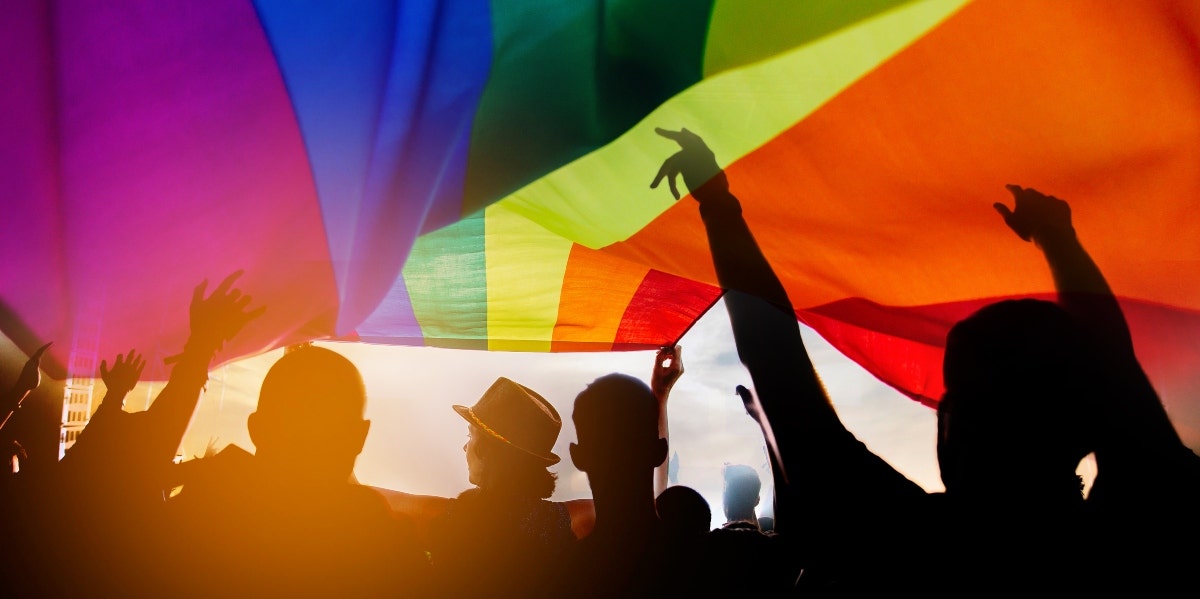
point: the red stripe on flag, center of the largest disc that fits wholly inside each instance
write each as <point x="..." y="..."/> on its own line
<point x="662" y="310"/>
<point x="903" y="347"/>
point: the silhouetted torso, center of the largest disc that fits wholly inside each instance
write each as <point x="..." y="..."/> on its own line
<point x="485" y="545"/>
<point x="644" y="563"/>
<point x="744" y="561"/>
<point x="238" y="533"/>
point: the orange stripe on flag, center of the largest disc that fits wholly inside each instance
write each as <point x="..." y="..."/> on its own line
<point x="596" y="289"/>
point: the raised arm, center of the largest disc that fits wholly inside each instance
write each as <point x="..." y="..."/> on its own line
<point x="214" y="319"/>
<point x="1082" y="290"/>
<point x="28" y="380"/>
<point x="804" y="434"/>
<point x="119" y="381"/>
<point x="764" y="323"/>
<point x="668" y="367"/>
<point x="779" y="479"/>
<point x="1135" y="411"/>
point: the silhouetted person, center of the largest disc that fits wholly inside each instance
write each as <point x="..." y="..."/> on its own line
<point x="499" y="538"/>
<point x="22" y="494"/>
<point x="28" y="380"/>
<point x="1147" y="487"/>
<point x="424" y="509"/>
<point x="668" y="367"/>
<point x="766" y="523"/>
<point x="1013" y="428"/>
<point x="762" y="561"/>
<point x="111" y="481"/>
<point x="629" y="553"/>
<point x="100" y="460"/>
<point x="132" y="454"/>
<point x="745" y="561"/>
<point x="741" y="494"/>
<point x="11" y="400"/>
<point x="288" y="520"/>
<point x="684" y="513"/>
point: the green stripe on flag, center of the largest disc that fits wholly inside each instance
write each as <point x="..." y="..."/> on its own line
<point x="570" y="76"/>
<point x="604" y="197"/>
<point x="447" y="285"/>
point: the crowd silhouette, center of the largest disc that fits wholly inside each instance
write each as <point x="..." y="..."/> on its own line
<point x="1032" y="388"/>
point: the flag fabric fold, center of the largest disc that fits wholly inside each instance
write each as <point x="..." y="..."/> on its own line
<point x="474" y="174"/>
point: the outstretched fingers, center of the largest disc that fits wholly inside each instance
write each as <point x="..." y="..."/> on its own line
<point x="198" y="292"/>
<point x="675" y="136"/>
<point x="223" y="288"/>
<point x="125" y="372"/>
<point x="220" y="315"/>
<point x="672" y="183"/>
<point x="684" y="137"/>
<point x="672" y="167"/>
<point x="670" y="171"/>
<point x="135" y="361"/>
<point x="1007" y="214"/>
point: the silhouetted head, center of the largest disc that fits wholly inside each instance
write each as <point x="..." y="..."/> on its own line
<point x="511" y="432"/>
<point x="683" y="511"/>
<point x="1015" y="417"/>
<point x="616" y="422"/>
<point x="309" y="422"/>
<point x="741" y="496"/>
<point x="493" y="465"/>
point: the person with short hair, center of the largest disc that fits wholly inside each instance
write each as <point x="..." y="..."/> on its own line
<point x="630" y="552"/>
<point x="1031" y="388"/>
<point x="741" y="495"/>
<point x="288" y="520"/>
<point x="684" y="512"/>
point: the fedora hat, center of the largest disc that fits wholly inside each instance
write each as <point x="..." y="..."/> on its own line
<point x="516" y="415"/>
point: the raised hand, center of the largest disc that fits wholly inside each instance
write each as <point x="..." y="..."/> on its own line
<point x="27" y="381"/>
<point x="668" y="367"/>
<point x="126" y="371"/>
<point x="753" y="408"/>
<point x="31" y="373"/>
<point x="694" y="161"/>
<point x="1034" y="213"/>
<point x="221" y="315"/>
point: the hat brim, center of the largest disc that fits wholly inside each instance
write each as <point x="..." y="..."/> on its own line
<point x="550" y="458"/>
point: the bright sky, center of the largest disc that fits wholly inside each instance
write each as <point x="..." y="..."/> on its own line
<point x="415" y="443"/>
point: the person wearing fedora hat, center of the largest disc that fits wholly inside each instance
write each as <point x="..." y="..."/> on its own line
<point x="518" y="417"/>
<point x="495" y="538"/>
<point x="509" y="450"/>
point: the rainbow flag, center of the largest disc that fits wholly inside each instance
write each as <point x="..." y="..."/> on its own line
<point x="475" y="174"/>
